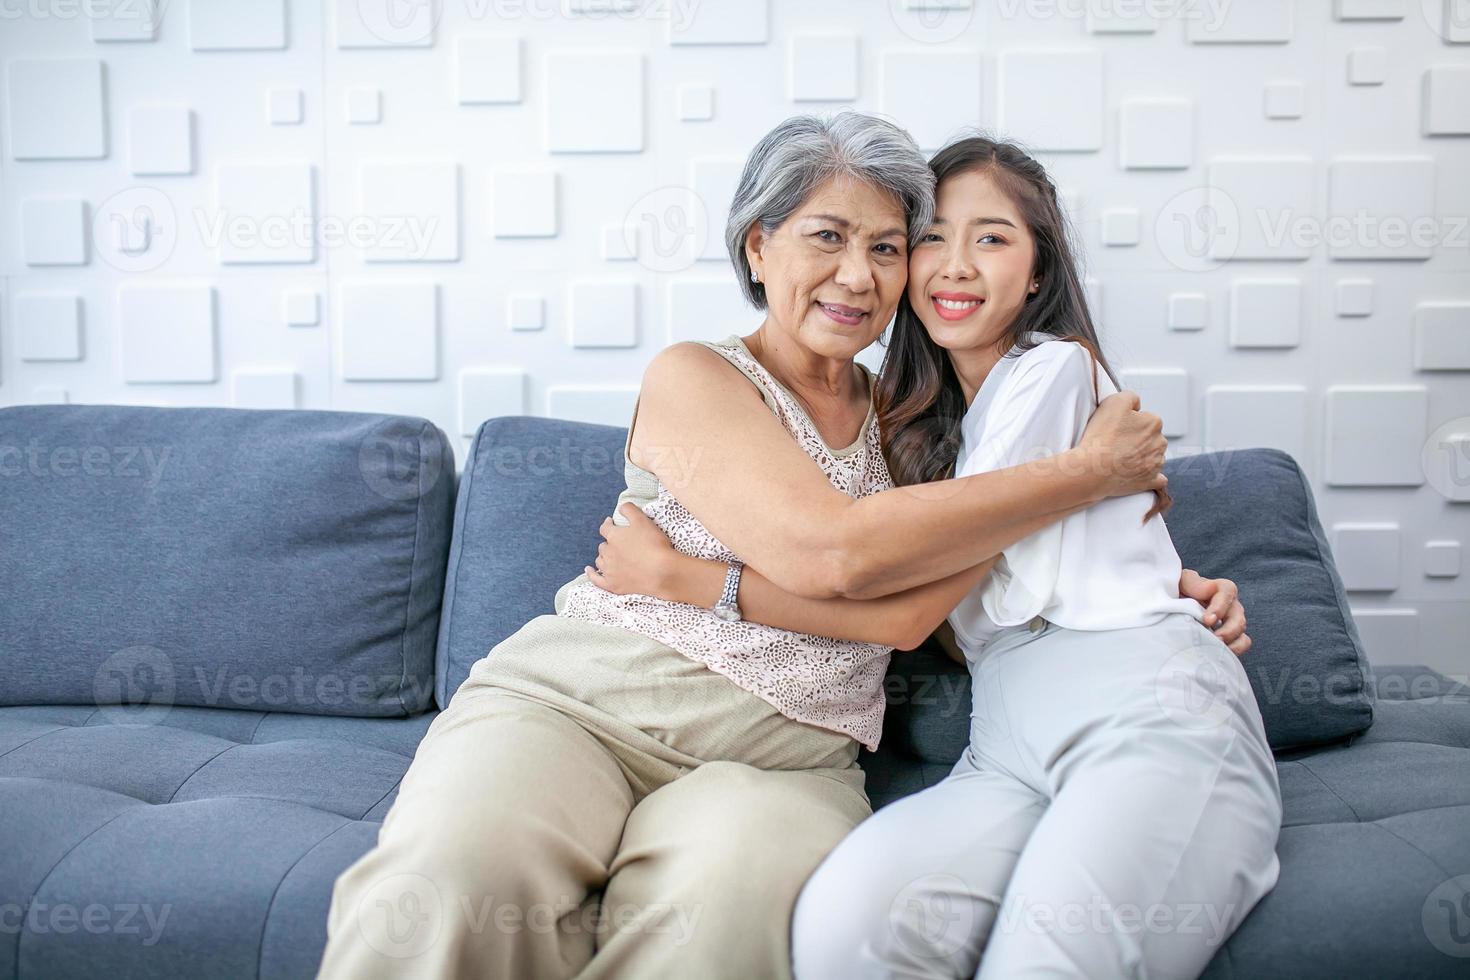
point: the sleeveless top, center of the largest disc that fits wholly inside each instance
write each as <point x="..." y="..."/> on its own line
<point x="831" y="683"/>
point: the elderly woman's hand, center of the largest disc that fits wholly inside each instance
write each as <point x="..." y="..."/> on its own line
<point x="1224" y="612"/>
<point x="1124" y="446"/>
<point x="636" y="559"/>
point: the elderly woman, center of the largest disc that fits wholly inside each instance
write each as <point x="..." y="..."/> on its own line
<point x="634" y="787"/>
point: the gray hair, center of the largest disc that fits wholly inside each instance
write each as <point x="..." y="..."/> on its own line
<point x="802" y="153"/>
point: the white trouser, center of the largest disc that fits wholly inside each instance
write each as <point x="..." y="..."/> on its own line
<point x="1115" y="815"/>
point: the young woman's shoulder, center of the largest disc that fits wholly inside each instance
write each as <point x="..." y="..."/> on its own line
<point x="1053" y="361"/>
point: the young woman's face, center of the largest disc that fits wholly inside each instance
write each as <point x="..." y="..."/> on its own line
<point x="970" y="273"/>
<point x="834" y="271"/>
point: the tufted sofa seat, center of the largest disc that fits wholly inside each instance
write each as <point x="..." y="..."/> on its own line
<point x="206" y="840"/>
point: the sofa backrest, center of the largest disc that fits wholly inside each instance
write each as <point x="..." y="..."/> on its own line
<point x="535" y="490"/>
<point x="1249" y="515"/>
<point x="267" y="560"/>
<point x="531" y="497"/>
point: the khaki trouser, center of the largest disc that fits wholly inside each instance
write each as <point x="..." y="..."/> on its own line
<point x="594" y="804"/>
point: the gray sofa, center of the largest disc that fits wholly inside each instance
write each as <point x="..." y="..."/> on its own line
<point x="223" y="633"/>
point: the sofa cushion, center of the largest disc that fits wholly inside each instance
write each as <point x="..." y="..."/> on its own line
<point x="206" y="844"/>
<point x="1249" y="515"/>
<point x="531" y="498"/>
<point x="262" y="560"/>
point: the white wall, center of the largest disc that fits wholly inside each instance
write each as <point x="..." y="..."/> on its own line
<point x="561" y="167"/>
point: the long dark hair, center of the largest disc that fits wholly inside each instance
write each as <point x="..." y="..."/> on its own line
<point x="919" y="400"/>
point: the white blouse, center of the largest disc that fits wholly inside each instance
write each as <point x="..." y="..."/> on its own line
<point x="1099" y="569"/>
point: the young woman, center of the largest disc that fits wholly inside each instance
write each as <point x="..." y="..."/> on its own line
<point x="1116" y="811"/>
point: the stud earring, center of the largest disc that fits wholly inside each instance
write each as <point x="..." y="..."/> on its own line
<point x="754" y="276"/>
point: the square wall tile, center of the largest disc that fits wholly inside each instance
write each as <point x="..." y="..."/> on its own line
<point x="390" y="24"/>
<point x="124" y="20"/>
<point x="1188" y="311"/>
<point x="1367" y="66"/>
<point x="1367" y="556"/>
<point x="487" y="69"/>
<point x="1389" y="636"/>
<point x="603" y="313"/>
<point x="603" y="404"/>
<point x="721" y="22"/>
<point x="908" y="81"/>
<point x="1442" y="559"/>
<point x="1245" y="416"/>
<point x="160" y="140"/>
<point x="1163" y="391"/>
<point x="706" y="309"/>
<point x="1385" y="203"/>
<point x="1375" y="434"/>
<point x="1155" y="134"/>
<point x="525" y="311"/>
<point x="1446" y="98"/>
<point x="594" y="101"/>
<point x="1259" y="22"/>
<point x="1254" y="197"/>
<point x="714" y="180"/>
<point x="1442" y="337"/>
<point x="54" y="230"/>
<point x="523" y="203"/>
<point x="1111" y="17"/>
<point x="822" y="68"/>
<point x="301" y="308"/>
<point x="413" y="207"/>
<point x="264" y="208"/>
<point x="166" y="333"/>
<point x="1052" y="99"/>
<point x="1369" y="9"/>
<point x="55" y="109"/>
<point x="696" y="101"/>
<point x="488" y="393"/>
<point x="1265" y="313"/>
<point x="1285" y="100"/>
<point x="48" y="326"/>
<point x="1120" y="226"/>
<point x="1354" y="297"/>
<point x="389" y="331"/>
<point x="232" y="25"/>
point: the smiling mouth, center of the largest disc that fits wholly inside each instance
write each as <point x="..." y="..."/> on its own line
<point x="950" y="308"/>
<point x="842" y="314"/>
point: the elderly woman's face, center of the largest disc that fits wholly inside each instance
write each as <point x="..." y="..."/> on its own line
<point x="834" y="270"/>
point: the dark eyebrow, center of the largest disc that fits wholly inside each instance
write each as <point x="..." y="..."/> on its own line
<point x="843" y="222"/>
<point x="989" y="220"/>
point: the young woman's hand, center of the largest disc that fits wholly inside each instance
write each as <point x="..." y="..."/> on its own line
<point x="1224" y="612"/>
<point x="1125" y="447"/>
<point x="636" y="559"/>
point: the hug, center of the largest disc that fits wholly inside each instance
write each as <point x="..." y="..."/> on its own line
<point x="667" y="765"/>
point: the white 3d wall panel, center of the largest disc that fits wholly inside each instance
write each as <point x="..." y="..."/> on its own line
<point x="465" y="209"/>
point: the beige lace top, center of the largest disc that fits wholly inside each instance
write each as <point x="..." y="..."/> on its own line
<point x="831" y="683"/>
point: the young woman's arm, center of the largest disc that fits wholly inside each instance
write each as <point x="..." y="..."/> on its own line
<point x="702" y="428"/>
<point x="639" y="559"/>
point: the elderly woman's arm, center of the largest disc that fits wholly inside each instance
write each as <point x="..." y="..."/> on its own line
<point x="704" y="431"/>
<point x="639" y="558"/>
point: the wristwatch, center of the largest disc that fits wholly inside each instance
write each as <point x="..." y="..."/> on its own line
<point x="727" y="608"/>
